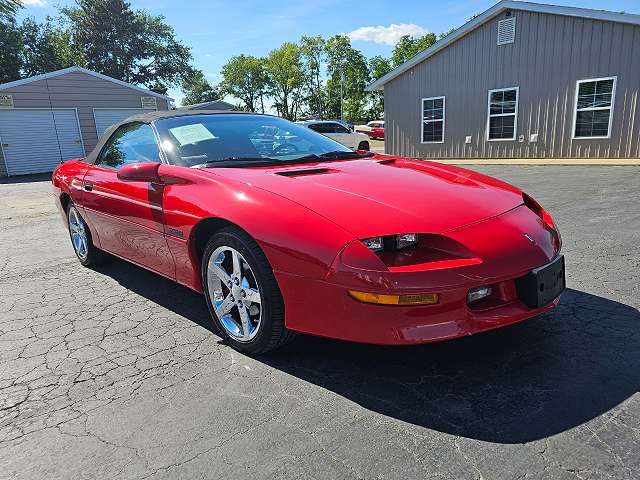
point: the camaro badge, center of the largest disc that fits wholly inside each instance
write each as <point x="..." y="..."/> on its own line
<point x="528" y="237"/>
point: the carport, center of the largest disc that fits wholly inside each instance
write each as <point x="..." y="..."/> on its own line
<point x="60" y="115"/>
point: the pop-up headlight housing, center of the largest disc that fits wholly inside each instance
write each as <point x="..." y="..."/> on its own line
<point x="391" y="242"/>
<point x="547" y="220"/>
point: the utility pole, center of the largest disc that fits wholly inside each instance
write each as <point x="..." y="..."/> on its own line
<point x="341" y="93"/>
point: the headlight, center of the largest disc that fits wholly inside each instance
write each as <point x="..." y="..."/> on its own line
<point x="406" y="240"/>
<point x="391" y="242"/>
<point x="375" y="244"/>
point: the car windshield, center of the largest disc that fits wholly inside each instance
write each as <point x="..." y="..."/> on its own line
<point x="242" y="139"/>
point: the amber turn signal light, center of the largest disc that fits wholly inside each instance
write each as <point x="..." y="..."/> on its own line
<point x="379" y="299"/>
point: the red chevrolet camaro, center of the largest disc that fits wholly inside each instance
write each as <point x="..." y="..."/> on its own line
<point x="285" y="230"/>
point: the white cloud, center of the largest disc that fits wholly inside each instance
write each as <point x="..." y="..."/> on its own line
<point x="34" y="3"/>
<point x="387" y="35"/>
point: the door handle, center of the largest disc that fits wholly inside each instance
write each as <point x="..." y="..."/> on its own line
<point x="88" y="186"/>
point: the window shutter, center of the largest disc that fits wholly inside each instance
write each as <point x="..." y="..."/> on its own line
<point x="506" y="30"/>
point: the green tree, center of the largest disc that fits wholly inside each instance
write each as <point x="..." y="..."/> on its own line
<point x="348" y="76"/>
<point x="46" y="47"/>
<point x="286" y="75"/>
<point x="10" y="41"/>
<point x="197" y="89"/>
<point x="10" y="58"/>
<point x="379" y="67"/>
<point x="244" y="77"/>
<point x="444" y="34"/>
<point x="312" y="50"/>
<point x="8" y="8"/>
<point x="127" y="44"/>
<point x="408" y="47"/>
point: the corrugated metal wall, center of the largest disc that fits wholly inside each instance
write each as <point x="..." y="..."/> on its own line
<point x="549" y="55"/>
<point x="77" y="90"/>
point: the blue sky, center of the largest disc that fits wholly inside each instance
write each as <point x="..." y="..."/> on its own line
<point x="216" y="30"/>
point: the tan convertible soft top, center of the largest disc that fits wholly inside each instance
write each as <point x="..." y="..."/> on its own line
<point x="151" y="117"/>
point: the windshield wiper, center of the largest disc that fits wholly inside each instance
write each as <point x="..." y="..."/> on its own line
<point x="264" y="161"/>
<point x="335" y="155"/>
<point x="238" y="162"/>
<point x="339" y="154"/>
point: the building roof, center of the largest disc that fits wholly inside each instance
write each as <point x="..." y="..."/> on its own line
<point x="64" y="71"/>
<point x="213" y="105"/>
<point x="494" y="11"/>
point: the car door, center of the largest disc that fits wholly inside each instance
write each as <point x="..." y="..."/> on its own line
<point x="128" y="216"/>
<point x="334" y="131"/>
<point x="342" y="134"/>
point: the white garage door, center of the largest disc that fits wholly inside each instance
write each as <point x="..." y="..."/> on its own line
<point x="35" y="141"/>
<point x="105" y="117"/>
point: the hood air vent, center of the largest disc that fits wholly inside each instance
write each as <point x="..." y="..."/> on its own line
<point x="305" y="172"/>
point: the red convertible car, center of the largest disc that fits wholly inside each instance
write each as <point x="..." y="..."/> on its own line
<point x="377" y="130"/>
<point x="285" y="230"/>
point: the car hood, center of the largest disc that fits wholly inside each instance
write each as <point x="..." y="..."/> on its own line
<point x="384" y="196"/>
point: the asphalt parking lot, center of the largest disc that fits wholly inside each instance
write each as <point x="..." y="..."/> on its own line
<point x="115" y="373"/>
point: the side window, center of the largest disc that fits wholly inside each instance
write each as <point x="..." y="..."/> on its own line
<point x="131" y="143"/>
<point x="338" y="128"/>
<point x="594" y="108"/>
<point x="433" y="117"/>
<point x="320" y="128"/>
<point x="502" y="114"/>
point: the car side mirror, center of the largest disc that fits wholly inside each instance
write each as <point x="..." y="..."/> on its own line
<point x="140" y="172"/>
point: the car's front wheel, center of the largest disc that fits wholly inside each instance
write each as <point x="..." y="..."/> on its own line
<point x="81" y="239"/>
<point x="363" y="146"/>
<point x="242" y="293"/>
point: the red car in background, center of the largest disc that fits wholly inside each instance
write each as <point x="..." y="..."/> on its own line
<point x="285" y="230"/>
<point x="377" y="130"/>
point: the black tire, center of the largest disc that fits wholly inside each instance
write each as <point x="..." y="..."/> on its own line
<point x="94" y="256"/>
<point x="363" y="146"/>
<point x="272" y="332"/>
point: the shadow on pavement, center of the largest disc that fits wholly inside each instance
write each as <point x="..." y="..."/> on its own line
<point x="513" y="385"/>
<point x="33" y="178"/>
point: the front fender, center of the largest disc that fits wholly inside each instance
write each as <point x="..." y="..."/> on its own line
<point x="295" y="239"/>
<point x="67" y="179"/>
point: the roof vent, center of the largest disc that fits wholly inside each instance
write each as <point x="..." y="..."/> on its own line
<point x="506" y="30"/>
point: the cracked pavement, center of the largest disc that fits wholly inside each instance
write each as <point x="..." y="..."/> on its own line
<point x="115" y="372"/>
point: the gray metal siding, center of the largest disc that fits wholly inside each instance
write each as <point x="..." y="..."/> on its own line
<point x="550" y="53"/>
<point x="81" y="91"/>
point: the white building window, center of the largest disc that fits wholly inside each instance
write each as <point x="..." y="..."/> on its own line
<point x="502" y="114"/>
<point x="433" y="114"/>
<point x="594" y="107"/>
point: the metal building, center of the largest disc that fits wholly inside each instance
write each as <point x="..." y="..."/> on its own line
<point x="520" y="80"/>
<point x="60" y="115"/>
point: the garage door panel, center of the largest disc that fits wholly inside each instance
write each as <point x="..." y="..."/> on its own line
<point x="106" y="117"/>
<point x="68" y="134"/>
<point x="36" y="140"/>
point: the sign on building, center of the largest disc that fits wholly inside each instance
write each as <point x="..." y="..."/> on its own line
<point x="149" y="102"/>
<point x="6" y="101"/>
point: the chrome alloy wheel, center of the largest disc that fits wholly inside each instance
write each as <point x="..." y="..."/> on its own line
<point x="235" y="294"/>
<point x="78" y="234"/>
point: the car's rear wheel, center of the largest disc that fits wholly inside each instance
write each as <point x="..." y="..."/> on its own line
<point x="242" y="293"/>
<point x="363" y="146"/>
<point x="81" y="239"/>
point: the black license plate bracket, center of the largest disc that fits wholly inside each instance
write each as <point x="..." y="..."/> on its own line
<point x="543" y="284"/>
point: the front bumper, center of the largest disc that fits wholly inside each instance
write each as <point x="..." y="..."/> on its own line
<point x="323" y="306"/>
<point x="325" y="309"/>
